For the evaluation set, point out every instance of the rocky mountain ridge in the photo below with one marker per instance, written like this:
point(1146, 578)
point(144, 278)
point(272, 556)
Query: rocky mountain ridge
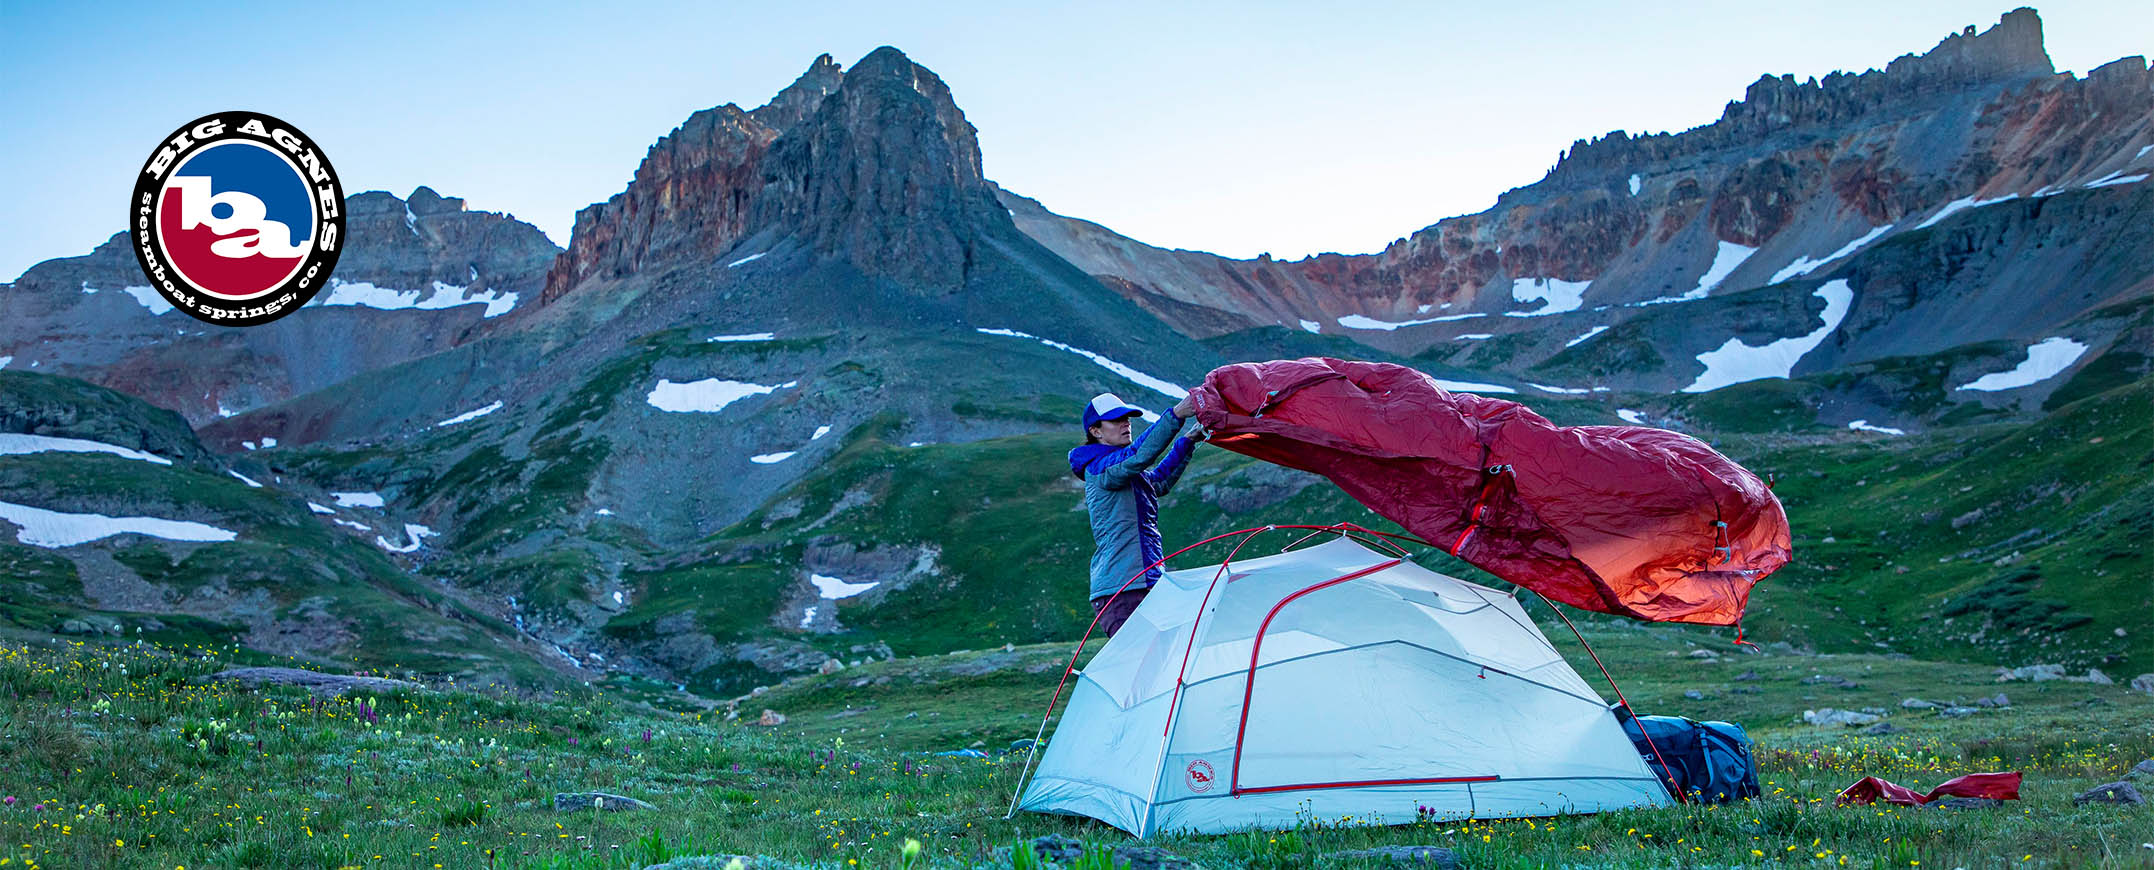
point(1792, 183)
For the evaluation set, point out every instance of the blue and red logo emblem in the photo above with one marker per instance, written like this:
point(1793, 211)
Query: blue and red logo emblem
point(237, 219)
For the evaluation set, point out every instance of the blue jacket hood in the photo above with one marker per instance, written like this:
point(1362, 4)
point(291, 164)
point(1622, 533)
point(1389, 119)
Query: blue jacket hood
point(1083, 455)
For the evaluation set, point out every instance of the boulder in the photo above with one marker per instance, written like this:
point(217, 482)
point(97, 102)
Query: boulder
point(2031, 673)
point(1412, 856)
point(2143, 683)
point(770, 718)
point(568, 802)
point(1882, 728)
point(326, 685)
point(1918, 704)
point(2144, 768)
point(1830, 716)
point(2095, 676)
point(1694, 695)
point(2119, 792)
point(1958, 712)
point(1058, 849)
point(1746, 676)
point(1149, 858)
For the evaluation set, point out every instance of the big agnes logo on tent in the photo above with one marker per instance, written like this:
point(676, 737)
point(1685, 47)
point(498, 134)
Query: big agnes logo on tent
point(237, 218)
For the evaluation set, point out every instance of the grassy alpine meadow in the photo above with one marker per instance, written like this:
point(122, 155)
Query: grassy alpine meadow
point(128, 756)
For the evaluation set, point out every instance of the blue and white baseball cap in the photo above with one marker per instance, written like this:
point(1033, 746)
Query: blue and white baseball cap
point(1108, 406)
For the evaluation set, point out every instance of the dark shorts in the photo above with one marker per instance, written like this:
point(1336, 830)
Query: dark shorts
point(1113, 610)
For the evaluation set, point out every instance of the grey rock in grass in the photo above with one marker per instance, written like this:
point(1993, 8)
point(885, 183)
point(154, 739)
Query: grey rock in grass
point(1965, 803)
point(1958, 712)
point(2031, 673)
point(1415, 856)
point(2143, 683)
point(1149, 858)
point(568, 802)
point(77, 626)
point(1830, 680)
point(1058, 849)
point(1883, 728)
point(1053, 848)
point(1830, 716)
point(1919, 704)
point(2119, 792)
point(1694, 695)
point(2144, 768)
point(327, 685)
point(2095, 676)
point(1746, 676)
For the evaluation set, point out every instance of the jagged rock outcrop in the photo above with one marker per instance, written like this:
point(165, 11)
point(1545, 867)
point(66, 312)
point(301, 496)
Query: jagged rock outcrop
point(691, 195)
point(886, 173)
point(419, 275)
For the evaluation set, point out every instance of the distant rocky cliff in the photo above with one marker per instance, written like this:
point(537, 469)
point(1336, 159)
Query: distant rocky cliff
point(1787, 177)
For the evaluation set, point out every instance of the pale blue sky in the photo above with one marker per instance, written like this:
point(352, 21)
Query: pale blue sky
point(1233, 128)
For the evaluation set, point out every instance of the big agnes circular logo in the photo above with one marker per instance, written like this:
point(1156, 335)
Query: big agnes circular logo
point(236, 218)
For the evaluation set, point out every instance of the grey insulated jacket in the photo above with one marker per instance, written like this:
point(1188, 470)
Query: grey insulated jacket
point(1122, 487)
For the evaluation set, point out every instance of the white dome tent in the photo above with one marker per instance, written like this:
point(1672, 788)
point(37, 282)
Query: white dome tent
point(1330, 682)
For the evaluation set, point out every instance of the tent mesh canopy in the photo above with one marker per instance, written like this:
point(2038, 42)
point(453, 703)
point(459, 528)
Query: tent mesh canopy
point(1380, 691)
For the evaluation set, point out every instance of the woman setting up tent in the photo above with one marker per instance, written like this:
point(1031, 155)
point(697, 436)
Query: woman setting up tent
point(1341, 679)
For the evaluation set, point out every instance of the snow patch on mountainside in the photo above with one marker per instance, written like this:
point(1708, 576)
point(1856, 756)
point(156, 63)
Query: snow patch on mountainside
point(1959, 205)
point(1805, 265)
point(54, 529)
point(2045, 360)
point(1736, 362)
point(1725, 261)
point(14, 444)
point(1588, 334)
point(471, 415)
point(773, 458)
point(243, 478)
point(358, 499)
point(1864, 426)
point(444, 296)
point(746, 336)
point(707, 396)
point(833, 588)
point(416, 535)
point(1559, 296)
point(1471, 387)
point(1356, 321)
point(2116, 177)
point(1139, 378)
point(145, 295)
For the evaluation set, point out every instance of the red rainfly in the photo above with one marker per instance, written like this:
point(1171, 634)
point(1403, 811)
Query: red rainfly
point(1630, 520)
point(1870, 789)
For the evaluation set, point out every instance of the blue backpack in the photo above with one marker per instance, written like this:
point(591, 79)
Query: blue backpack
point(1707, 762)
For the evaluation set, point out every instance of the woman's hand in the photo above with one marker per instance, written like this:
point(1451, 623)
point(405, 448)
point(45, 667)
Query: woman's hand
point(1187, 407)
